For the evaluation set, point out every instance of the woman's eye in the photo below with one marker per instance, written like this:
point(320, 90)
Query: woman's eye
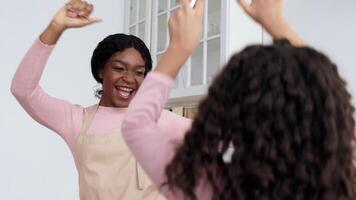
point(120, 69)
point(140, 73)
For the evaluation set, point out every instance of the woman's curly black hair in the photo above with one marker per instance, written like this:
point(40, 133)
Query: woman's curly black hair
point(113, 44)
point(289, 117)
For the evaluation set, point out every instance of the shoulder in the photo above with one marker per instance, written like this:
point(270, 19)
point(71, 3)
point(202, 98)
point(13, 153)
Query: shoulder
point(171, 116)
point(173, 123)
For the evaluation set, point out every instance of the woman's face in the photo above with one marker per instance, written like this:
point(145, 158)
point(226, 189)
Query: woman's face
point(122, 75)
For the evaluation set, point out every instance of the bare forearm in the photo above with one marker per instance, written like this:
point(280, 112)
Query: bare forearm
point(51, 34)
point(172, 61)
point(281, 29)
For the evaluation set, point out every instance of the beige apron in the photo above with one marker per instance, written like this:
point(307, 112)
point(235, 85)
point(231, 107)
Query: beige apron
point(107, 169)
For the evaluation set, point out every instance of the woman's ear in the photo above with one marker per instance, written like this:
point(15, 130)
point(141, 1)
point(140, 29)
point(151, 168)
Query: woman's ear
point(101, 74)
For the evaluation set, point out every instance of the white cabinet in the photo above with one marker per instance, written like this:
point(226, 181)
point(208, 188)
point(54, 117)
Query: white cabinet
point(138, 19)
point(226, 30)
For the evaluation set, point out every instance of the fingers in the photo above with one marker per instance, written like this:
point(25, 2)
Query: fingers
point(89, 8)
point(185, 4)
point(188, 4)
point(78, 8)
point(86, 10)
point(93, 21)
point(81, 22)
point(185, 26)
point(199, 7)
point(245, 6)
point(192, 3)
point(79, 11)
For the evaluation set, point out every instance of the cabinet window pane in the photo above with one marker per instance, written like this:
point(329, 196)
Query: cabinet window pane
point(162, 33)
point(214, 13)
point(176, 82)
point(142, 12)
point(133, 9)
point(175, 3)
point(213, 62)
point(197, 66)
point(158, 58)
point(205, 61)
point(162, 6)
point(141, 30)
point(133, 30)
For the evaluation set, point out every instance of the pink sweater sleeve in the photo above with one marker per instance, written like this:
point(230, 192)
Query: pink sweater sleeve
point(153, 148)
point(58, 115)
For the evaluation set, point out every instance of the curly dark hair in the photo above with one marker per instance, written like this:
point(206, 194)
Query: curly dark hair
point(113, 44)
point(289, 117)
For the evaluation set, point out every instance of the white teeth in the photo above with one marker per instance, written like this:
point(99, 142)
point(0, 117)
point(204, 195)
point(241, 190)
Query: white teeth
point(125, 89)
point(124, 92)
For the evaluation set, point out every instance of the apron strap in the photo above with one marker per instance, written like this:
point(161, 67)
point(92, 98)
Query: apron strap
point(140, 176)
point(88, 118)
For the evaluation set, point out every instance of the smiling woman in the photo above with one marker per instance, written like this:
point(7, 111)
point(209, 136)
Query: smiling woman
point(122, 76)
point(107, 169)
point(120, 62)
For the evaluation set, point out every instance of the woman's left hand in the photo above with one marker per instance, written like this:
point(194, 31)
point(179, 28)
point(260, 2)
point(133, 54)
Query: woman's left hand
point(186, 26)
point(185, 30)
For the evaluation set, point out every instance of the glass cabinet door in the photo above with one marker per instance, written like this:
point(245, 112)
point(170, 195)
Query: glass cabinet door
point(150, 24)
point(214, 16)
point(162, 6)
point(148, 20)
point(206, 59)
point(196, 66)
point(213, 58)
point(142, 10)
point(174, 3)
point(133, 11)
point(162, 32)
point(138, 19)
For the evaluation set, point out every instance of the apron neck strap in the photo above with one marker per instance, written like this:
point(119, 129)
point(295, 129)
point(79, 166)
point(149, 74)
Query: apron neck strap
point(88, 118)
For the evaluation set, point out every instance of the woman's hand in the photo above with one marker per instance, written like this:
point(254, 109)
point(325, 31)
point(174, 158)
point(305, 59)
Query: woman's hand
point(74, 14)
point(264, 12)
point(185, 30)
point(269, 13)
point(186, 26)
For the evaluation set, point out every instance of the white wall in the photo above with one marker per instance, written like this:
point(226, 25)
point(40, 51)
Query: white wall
point(241, 30)
point(329, 26)
point(35, 163)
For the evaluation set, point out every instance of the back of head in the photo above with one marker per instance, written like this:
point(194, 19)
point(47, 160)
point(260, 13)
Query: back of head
point(288, 115)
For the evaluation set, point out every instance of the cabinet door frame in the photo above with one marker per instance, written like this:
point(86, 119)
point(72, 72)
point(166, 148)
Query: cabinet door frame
point(190, 95)
point(147, 19)
point(184, 91)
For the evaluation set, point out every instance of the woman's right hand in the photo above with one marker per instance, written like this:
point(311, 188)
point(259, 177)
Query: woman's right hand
point(265, 12)
point(74, 14)
point(186, 26)
point(185, 30)
point(269, 13)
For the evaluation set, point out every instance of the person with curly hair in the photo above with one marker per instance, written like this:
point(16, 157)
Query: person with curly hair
point(277, 122)
point(106, 167)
